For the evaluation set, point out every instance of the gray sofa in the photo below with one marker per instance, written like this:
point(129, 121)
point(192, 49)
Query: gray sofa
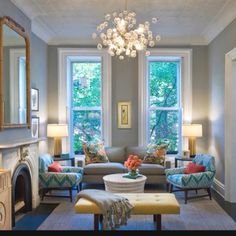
point(93, 173)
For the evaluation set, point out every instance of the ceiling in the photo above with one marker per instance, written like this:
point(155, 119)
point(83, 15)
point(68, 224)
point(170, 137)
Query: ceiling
point(194, 22)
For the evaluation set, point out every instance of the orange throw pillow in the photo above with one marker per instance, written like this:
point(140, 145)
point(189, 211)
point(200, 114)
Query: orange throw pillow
point(55, 167)
point(194, 168)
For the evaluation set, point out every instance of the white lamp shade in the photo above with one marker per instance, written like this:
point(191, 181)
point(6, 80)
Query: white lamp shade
point(192, 130)
point(57, 130)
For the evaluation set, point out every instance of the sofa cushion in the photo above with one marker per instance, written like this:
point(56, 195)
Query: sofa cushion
point(104, 168)
point(139, 151)
point(151, 169)
point(155, 154)
point(95, 153)
point(116, 154)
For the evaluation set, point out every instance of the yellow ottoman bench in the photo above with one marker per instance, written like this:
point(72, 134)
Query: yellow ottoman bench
point(154, 204)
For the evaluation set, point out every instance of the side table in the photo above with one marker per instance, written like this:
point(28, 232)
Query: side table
point(179, 158)
point(65, 157)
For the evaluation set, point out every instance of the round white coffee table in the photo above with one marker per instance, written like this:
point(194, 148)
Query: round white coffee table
point(116, 183)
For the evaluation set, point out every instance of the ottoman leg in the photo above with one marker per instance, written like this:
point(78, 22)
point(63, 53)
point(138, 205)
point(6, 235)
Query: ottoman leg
point(96, 222)
point(158, 222)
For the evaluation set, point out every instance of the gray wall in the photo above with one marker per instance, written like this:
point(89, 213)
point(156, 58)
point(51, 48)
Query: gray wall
point(38, 74)
point(222, 44)
point(39, 80)
point(125, 87)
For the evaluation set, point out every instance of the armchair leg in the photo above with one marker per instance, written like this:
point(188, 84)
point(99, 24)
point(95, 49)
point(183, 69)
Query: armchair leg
point(209, 192)
point(171, 188)
point(77, 188)
point(70, 190)
point(185, 196)
point(80, 186)
point(42, 194)
point(167, 187)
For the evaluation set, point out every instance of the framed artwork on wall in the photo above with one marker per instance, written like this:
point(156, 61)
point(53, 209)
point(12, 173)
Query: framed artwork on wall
point(35, 127)
point(124, 115)
point(34, 99)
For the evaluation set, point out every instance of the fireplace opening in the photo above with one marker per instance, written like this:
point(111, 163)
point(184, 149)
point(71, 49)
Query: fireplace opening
point(21, 191)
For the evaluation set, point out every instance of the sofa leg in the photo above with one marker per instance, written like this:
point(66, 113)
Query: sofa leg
point(80, 186)
point(77, 188)
point(209, 192)
point(185, 196)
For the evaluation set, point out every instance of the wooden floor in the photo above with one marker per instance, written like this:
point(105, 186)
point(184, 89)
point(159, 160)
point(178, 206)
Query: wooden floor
point(198, 214)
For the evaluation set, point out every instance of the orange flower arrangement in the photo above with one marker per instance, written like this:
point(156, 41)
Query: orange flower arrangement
point(133, 162)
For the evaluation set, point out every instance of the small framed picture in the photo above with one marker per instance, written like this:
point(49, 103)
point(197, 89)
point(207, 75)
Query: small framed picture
point(34, 99)
point(124, 115)
point(35, 127)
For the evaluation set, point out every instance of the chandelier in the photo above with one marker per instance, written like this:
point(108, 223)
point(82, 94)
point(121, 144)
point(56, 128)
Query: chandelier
point(120, 34)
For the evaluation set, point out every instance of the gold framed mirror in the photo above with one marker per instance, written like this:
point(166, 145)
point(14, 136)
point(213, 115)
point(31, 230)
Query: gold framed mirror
point(14, 75)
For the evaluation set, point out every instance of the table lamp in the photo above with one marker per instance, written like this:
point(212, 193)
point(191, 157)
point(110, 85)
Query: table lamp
point(57, 131)
point(192, 131)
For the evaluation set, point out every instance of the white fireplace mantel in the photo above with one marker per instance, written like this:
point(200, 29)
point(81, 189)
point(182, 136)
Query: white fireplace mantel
point(24, 151)
point(18, 143)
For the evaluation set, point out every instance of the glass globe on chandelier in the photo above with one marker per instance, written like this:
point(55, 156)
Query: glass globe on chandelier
point(121, 36)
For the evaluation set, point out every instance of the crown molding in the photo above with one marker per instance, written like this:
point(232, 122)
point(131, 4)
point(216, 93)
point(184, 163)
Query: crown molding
point(164, 41)
point(224, 17)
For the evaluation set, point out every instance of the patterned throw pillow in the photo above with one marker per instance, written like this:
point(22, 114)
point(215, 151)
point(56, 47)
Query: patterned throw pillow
point(95, 153)
point(155, 154)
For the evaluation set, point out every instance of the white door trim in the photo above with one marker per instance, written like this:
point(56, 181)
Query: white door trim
point(230, 127)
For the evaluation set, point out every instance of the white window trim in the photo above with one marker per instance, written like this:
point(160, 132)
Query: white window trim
point(64, 85)
point(186, 87)
point(15, 54)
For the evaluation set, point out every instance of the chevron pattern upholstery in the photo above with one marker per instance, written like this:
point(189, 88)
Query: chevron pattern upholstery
point(177, 178)
point(69, 178)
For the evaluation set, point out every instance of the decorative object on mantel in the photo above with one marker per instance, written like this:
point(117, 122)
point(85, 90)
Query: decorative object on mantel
point(15, 89)
point(35, 127)
point(119, 33)
point(34, 99)
point(57, 131)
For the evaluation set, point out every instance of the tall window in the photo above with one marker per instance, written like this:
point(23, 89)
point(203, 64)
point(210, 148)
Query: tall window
point(165, 96)
point(164, 117)
point(86, 99)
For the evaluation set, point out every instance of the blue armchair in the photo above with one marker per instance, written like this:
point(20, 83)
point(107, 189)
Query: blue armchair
point(185, 182)
point(69, 178)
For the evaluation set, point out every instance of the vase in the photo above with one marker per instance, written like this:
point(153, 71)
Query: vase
point(133, 173)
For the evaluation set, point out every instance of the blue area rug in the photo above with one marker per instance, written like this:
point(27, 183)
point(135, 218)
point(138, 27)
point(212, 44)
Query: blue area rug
point(33, 219)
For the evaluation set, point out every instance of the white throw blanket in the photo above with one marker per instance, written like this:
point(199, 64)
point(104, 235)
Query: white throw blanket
point(115, 209)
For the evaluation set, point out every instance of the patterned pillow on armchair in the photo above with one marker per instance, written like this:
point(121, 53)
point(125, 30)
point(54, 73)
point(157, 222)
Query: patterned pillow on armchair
point(95, 153)
point(155, 154)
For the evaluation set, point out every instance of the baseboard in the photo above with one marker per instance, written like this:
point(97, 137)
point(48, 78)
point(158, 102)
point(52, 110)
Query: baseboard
point(219, 188)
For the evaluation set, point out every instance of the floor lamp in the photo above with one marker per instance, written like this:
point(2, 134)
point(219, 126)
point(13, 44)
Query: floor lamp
point(192, 131)
point(57, 131)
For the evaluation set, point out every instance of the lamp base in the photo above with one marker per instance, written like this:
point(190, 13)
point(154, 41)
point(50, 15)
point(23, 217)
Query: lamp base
point(192, 146)
point(57, 147)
